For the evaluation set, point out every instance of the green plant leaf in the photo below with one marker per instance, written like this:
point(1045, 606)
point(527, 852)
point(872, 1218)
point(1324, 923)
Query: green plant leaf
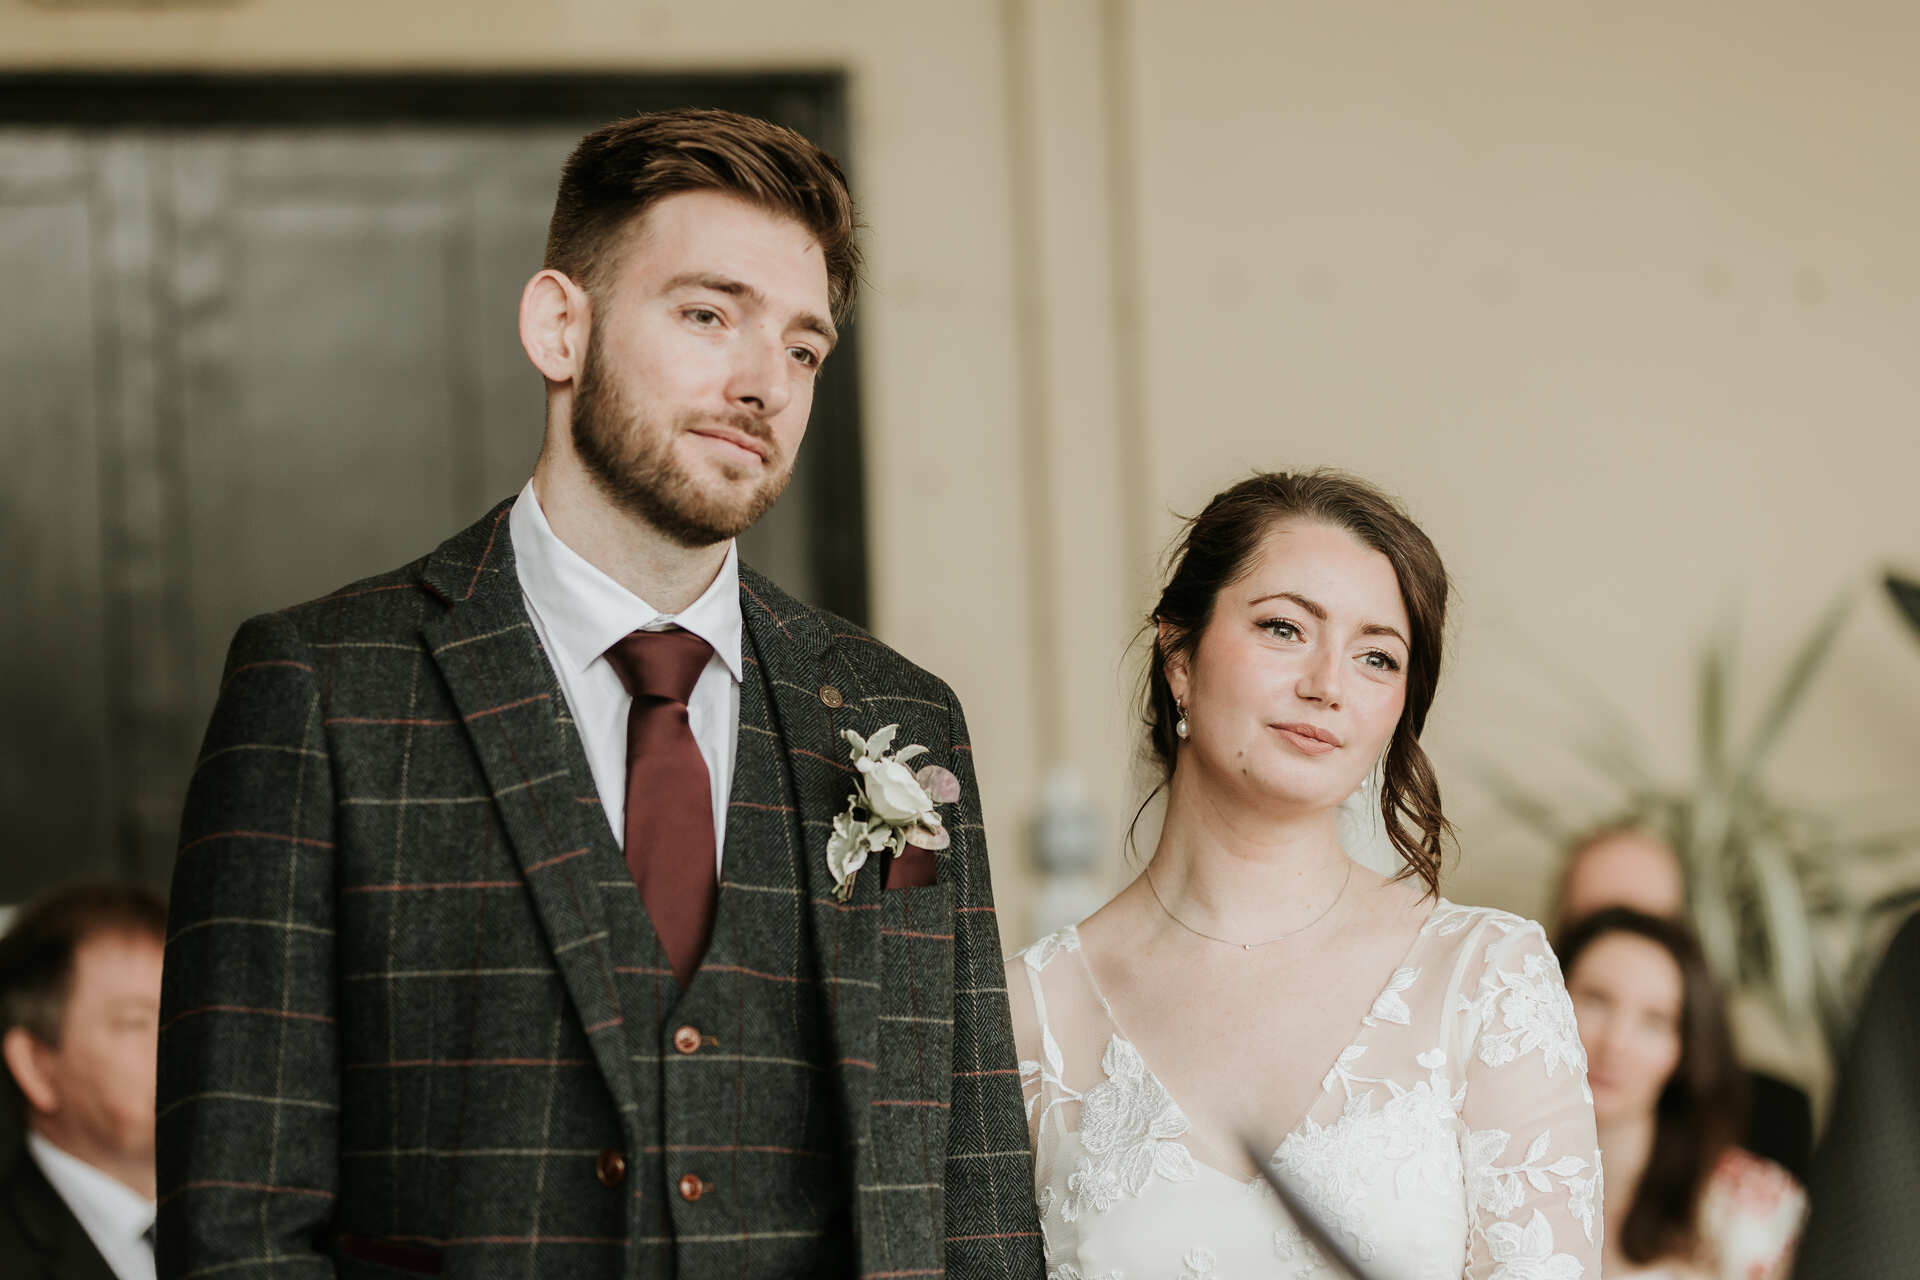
point(1712, 910)
point(1900, 901)
point(1780, 709)
point(1615, 761)
point(1789, 929)
point(1532, 809)
point(1716, 662)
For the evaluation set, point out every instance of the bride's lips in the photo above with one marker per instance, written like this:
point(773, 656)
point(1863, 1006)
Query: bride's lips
point(1309, 738)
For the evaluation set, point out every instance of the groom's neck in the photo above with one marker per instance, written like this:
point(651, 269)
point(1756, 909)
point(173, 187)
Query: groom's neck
point(666, 574)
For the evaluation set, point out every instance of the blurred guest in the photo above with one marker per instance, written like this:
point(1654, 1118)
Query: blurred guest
point(1863, 1222)
point(1621, 866)
point(1624, 865)
point(1682, 1200)
point(80, 1004)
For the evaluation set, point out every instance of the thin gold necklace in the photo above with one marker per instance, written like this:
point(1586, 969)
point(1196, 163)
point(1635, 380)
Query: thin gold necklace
point(1248, 946)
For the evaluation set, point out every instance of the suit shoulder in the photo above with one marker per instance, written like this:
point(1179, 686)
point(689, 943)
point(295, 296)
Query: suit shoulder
point(872, 659)
point(392, 602)
point(392, 605)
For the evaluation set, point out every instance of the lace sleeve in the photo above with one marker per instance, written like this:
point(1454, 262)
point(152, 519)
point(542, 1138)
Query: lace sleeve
point(1531, 1155)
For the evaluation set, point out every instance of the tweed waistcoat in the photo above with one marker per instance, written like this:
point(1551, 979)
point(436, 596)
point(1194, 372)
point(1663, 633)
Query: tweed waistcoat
point(740, 1165)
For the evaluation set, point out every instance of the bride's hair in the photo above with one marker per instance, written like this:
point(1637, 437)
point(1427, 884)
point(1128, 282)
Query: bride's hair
point(1218, 546)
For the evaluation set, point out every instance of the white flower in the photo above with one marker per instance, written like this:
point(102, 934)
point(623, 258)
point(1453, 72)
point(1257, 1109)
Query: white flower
point(892, 806)
point(893, 794)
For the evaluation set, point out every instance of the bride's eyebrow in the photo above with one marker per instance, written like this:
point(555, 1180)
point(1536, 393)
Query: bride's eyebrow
point(1319, 612)
point(1314, 607)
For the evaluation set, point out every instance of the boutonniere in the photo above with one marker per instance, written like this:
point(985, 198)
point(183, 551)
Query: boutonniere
point(892, 806)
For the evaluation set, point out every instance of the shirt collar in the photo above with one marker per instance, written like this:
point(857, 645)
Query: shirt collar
point(104, 1205)
point(585, 612)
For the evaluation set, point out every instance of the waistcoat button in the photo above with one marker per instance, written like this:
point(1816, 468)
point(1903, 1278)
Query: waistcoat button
point(691, 1187)
point(831, 697)
point(610, 1168)
point(687, 1039)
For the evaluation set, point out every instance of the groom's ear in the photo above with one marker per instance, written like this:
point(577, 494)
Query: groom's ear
point(555, 319)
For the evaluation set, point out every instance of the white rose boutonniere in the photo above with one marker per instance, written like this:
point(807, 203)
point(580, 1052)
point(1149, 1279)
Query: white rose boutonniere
point(891, 807)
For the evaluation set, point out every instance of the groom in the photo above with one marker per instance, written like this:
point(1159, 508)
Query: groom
point(504, 939)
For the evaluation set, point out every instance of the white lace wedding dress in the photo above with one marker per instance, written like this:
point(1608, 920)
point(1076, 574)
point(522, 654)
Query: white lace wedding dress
point(1452, 1137)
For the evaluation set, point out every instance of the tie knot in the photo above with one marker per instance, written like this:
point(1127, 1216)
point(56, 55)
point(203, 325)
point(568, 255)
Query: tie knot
point(660, 664)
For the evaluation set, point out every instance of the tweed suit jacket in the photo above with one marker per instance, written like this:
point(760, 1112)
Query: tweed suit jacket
point(1861, 1221)
point(392, 1037)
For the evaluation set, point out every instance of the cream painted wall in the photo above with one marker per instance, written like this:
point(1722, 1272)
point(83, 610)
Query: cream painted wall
point(1621, 299)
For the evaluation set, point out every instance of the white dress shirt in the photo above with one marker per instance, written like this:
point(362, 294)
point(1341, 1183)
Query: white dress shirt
point(579, 613)
point(114, 1216)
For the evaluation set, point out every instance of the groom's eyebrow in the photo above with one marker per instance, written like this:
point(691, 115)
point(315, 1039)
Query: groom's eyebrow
point(1319, 612)
point(808, 320)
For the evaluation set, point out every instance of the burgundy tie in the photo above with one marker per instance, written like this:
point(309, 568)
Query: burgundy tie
point(669, 797)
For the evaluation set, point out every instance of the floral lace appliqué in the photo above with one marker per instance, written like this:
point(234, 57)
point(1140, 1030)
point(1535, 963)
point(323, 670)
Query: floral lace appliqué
point(1526, 1253)
point(1537, 1016)
point(1198, 1265)
point(1128, 1127)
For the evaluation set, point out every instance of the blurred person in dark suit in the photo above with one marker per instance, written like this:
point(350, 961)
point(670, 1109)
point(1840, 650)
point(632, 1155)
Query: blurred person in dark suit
point(1683, 1200)
point(1864, 1223)
point(80, 1004)
point(1629, 866)
point(520, 923)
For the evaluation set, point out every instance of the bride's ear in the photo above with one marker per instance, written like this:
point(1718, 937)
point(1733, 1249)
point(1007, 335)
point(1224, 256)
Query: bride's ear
point(1173, 658)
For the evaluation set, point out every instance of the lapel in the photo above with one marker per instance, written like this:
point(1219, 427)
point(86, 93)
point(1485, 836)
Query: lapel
point(507, 696)
point(798, 661)
point(46, 1226)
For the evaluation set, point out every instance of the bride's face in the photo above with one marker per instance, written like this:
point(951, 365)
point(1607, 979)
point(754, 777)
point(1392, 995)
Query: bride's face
point(1300, 675)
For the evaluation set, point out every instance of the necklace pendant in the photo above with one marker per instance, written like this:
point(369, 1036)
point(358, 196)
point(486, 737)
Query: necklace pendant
point(1246, 946)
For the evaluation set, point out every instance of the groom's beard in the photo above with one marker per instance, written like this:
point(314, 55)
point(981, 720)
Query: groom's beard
point(631, 461)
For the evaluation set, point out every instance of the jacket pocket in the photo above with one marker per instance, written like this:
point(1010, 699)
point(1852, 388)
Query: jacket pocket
point(415, 1259)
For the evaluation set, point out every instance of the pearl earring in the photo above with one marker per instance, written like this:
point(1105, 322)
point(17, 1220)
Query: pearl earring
point(1180, 725)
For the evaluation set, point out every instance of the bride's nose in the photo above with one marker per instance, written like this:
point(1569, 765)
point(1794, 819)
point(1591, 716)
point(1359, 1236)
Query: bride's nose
point(1320, 678)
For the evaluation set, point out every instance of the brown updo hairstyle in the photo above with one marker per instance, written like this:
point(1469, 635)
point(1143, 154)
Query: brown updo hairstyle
point(1219, 547)
point(1702, 1108)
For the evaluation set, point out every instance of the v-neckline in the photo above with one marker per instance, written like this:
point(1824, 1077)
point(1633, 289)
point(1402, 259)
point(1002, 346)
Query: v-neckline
point(1360, 1031)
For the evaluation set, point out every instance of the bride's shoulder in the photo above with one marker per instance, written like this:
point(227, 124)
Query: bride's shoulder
point(1487, 930)
point(1037, 955)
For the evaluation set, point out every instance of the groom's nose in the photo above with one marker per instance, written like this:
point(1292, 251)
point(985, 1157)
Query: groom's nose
point(759, 381)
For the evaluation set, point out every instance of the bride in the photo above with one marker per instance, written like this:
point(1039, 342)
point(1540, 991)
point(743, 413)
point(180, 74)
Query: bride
point(1413, 1066)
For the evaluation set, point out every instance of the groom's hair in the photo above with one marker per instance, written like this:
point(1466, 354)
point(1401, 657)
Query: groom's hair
point(620, 170)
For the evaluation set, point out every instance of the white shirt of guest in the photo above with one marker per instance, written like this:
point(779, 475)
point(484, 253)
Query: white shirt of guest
point(114, 1216)
point(579, 613)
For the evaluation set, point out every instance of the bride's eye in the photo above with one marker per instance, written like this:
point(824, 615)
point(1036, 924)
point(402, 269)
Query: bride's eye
point(1280, 629)
point(1380, 660)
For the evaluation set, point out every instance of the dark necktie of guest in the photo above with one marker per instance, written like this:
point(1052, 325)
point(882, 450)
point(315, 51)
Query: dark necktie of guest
point(669, 796)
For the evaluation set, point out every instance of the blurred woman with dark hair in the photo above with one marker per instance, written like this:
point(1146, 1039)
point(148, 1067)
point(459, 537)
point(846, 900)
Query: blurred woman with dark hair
point(1682, 1200)
point(1410, 1066)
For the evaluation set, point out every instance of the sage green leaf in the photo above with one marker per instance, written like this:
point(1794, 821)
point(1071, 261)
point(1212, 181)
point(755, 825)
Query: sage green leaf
point(1789, 930)
point(1513, 796)
point(1787, 697)
point(1716, 659)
